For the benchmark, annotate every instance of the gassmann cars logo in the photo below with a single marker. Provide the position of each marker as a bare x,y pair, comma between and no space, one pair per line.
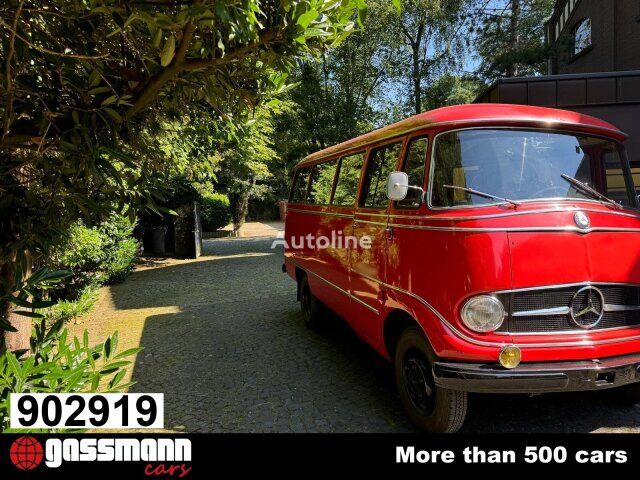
164,456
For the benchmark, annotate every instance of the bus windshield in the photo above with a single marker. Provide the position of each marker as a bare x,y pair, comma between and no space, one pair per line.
525,165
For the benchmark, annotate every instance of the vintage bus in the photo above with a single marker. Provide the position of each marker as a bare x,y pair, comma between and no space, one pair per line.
490,248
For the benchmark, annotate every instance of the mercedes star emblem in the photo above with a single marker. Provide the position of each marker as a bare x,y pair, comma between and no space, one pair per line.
587,307
582,220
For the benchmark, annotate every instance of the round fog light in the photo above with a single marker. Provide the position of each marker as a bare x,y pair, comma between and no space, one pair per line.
509,356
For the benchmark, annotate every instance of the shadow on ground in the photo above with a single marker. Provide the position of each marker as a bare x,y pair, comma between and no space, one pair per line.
234,357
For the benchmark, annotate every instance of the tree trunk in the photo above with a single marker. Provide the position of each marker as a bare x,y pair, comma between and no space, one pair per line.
20,340
514,37
240,205
417,80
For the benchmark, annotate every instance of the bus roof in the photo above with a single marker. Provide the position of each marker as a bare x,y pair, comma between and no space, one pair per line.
481,114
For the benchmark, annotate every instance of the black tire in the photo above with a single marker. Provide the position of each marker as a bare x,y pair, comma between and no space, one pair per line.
310,305
627,395
430,408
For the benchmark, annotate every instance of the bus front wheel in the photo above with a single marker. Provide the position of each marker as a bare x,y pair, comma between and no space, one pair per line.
430,408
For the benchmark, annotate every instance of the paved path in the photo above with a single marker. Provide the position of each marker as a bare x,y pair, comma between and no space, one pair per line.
223,340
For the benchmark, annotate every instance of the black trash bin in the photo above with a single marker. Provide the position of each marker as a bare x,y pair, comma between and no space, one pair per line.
158,240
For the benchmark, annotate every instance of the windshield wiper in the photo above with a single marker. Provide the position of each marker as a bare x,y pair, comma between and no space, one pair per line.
482,194
591,191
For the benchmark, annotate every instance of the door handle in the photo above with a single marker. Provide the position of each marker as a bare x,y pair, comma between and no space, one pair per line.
389,232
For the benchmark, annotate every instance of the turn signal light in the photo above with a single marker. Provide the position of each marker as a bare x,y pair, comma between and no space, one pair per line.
509,356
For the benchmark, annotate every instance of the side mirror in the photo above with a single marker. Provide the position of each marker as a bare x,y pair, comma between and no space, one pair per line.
397,186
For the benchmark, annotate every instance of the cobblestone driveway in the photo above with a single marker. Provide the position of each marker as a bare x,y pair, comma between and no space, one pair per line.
224,342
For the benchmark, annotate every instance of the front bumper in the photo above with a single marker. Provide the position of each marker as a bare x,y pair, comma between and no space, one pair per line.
539,377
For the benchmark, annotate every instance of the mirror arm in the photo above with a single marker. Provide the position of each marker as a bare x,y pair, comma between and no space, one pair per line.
422,192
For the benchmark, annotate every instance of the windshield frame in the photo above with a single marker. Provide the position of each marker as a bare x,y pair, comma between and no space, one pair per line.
623,157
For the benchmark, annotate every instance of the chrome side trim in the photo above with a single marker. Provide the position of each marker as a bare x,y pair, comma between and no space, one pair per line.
317,212
567,229
503,229
471,217
482,343
341,290
572,209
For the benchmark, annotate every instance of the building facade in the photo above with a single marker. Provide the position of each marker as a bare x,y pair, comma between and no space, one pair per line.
594,36
595,68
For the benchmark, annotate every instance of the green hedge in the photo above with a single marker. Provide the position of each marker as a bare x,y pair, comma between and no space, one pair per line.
95,255
215,211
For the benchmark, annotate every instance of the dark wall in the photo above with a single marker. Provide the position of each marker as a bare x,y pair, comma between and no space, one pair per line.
615,36
628,35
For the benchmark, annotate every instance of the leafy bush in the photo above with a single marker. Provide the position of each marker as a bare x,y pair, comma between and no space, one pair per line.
60,365
56,364
215,211
95,255
121,259
67,309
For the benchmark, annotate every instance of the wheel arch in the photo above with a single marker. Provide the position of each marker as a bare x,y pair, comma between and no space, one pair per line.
396,322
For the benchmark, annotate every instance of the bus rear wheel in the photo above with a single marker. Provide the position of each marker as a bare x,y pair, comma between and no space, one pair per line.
430,408
309,304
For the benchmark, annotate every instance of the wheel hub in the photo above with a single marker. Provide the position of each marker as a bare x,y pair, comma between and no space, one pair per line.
419,383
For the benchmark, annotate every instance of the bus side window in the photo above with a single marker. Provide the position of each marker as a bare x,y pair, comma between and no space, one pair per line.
414,167
300,185
321,184
348,180
382,162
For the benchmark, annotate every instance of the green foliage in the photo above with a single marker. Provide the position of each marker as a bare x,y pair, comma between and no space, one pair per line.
59,364
215,211
511,39
452,90
87,85
121,259
246,159
181,191
69,309
27,294
95,255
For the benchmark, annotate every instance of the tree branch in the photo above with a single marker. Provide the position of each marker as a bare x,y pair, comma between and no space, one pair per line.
181,64
156,83
6,125
46,50
12,142
268,36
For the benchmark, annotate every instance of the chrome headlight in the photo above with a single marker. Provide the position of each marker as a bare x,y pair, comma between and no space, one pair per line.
483,313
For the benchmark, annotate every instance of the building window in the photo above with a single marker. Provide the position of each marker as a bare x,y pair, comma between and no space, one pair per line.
582,36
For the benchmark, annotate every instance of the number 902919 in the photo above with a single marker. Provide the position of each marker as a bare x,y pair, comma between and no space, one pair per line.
86,410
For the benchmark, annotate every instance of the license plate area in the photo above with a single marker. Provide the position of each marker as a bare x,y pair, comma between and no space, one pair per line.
605,378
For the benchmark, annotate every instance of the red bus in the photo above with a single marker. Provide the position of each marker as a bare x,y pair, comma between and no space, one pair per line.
481,248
